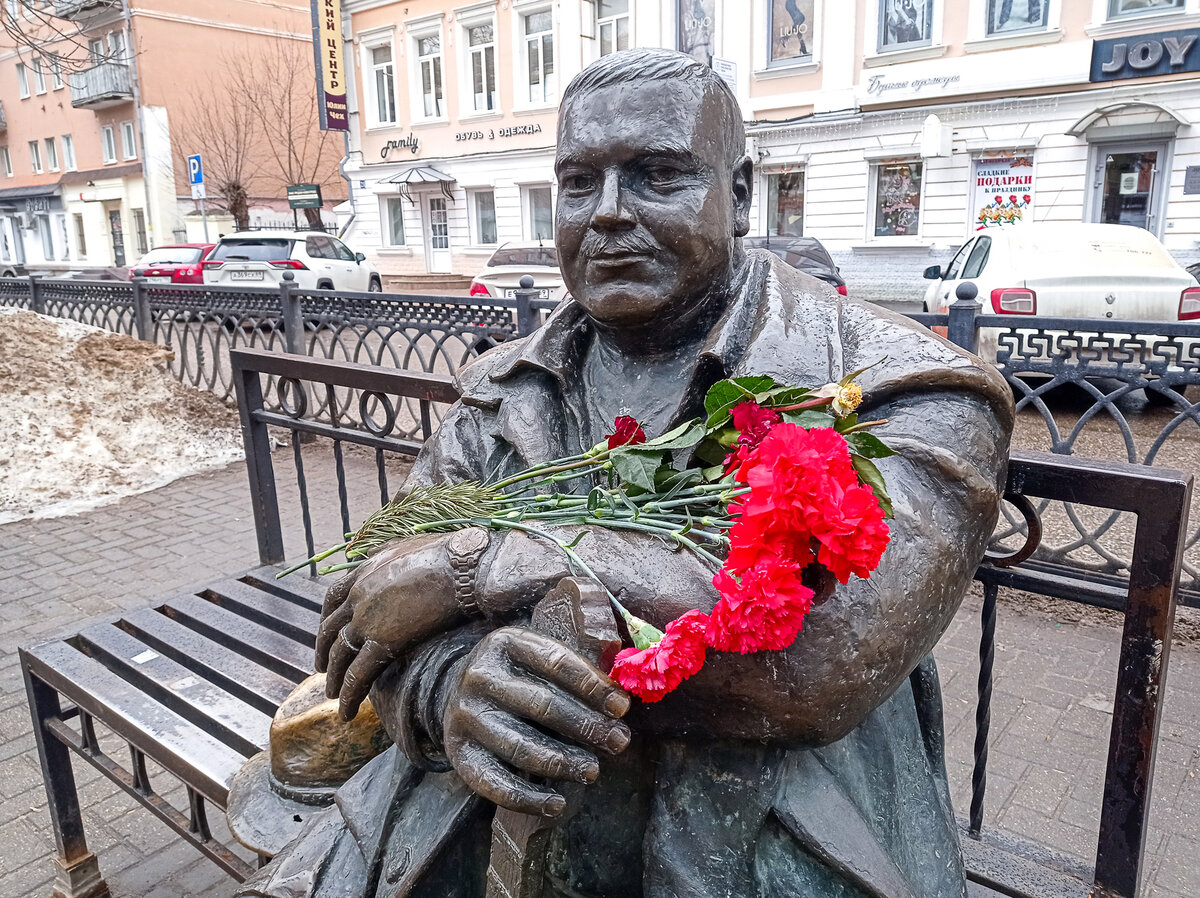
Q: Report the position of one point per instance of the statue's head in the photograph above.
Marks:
(654, 186)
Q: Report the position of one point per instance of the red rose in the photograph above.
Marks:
(764, 608)
(652, 673)
(627, 433)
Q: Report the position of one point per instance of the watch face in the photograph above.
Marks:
(469, 541)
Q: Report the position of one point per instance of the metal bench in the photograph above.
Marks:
(192, 683)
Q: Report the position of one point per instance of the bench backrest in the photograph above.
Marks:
(378, 408)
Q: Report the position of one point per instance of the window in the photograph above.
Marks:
(341, 251)
(39, 77)
(1016, 16)
(61, 221)
(394, 220)
(904, 24)
(68, 145)
(1119, 9)
(384, 79)
(7, 160)
(22, 80)
(897, 199)
(35, 157)
(792, 27)
(47, 236)
(13, 7)
(539, 56)
(695, 20)
(484, 219)
(116, 45)
(540, 209)
(80, 239)
(56, 77)
(51, 154)
(96, 50)
(785, 203)
(978, 258)
(481, 39)
(612, 21)
(128, 144)
(139, 230)
(319, 247)
(429, 61)
(108, 144)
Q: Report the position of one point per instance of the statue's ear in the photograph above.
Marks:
(743, 193)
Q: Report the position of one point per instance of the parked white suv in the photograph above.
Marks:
(318, 260)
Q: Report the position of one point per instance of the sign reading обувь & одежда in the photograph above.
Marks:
(1145, 55)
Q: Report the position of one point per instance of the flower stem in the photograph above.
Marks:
(319, 557)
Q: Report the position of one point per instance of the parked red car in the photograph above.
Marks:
(178, 264)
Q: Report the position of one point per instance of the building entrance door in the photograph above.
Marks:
(437, 235)
(118, 238)
(1130, 185)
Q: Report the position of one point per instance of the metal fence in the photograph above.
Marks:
(1118, 370)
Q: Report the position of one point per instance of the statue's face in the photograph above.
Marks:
(647, 211)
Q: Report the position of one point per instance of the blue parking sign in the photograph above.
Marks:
(195, 170)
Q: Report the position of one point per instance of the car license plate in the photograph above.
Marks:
(245, 275)
(544, 293)
(159, 280)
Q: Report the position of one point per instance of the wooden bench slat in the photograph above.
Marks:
(272, 650)
(205, 704)
(177, 744)
(235, 673)
(298, 587)
(271, 611)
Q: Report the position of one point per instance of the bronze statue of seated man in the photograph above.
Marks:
(813, 771)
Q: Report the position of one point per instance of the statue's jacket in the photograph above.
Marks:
(867, 813)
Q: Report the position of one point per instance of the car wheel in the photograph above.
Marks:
(325, 285)
(374, 286)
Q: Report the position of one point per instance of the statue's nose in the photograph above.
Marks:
(612, 211)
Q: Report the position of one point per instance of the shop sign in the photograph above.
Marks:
(493, 133)
(35, 205)
(410, 142)
(1144, 55)
(304, 196)
(331, 65)
(1003, 191)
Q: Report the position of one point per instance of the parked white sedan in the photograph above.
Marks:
(1067, 269)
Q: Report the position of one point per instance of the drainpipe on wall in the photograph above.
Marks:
(141, 125)
(349, 183)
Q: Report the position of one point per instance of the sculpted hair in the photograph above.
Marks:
(650, 64)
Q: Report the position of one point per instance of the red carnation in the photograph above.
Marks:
(627, 432)
(854, 542)
(753, 422)
(652, 673)
(763, 608)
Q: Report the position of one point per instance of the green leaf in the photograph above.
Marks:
(868, 446)
(715, 473)
(711, 451)
(636, 468)
(725, 394)
(594, 498)
(871, 476)
(809, 418)
(783, 396)
(684, 436)
(669, 482)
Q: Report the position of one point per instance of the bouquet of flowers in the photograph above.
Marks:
(776, 486)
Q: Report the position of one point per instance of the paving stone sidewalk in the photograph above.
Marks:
(1051, 713)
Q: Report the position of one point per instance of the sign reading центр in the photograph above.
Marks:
(331, 65)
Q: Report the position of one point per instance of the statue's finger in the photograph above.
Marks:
(527, 749)
(336, 595)
(360, 675)
(341, 653)
(553, 709)
(569, 669)
(488, 777)
(327, 634)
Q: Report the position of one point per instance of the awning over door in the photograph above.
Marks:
(423, 176)
(1132, 118)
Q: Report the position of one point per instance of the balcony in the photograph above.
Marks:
(78, 10)
(103, 85)
(3, 120)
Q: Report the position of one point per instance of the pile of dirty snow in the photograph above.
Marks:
(91, 416)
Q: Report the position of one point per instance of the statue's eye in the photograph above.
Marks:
(578, 183)
(661, 176)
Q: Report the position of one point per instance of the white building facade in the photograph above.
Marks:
(889, 129)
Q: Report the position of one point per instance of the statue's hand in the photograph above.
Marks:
(514, 688)
(395, 600)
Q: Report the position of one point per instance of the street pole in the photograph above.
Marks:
(204, 218)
